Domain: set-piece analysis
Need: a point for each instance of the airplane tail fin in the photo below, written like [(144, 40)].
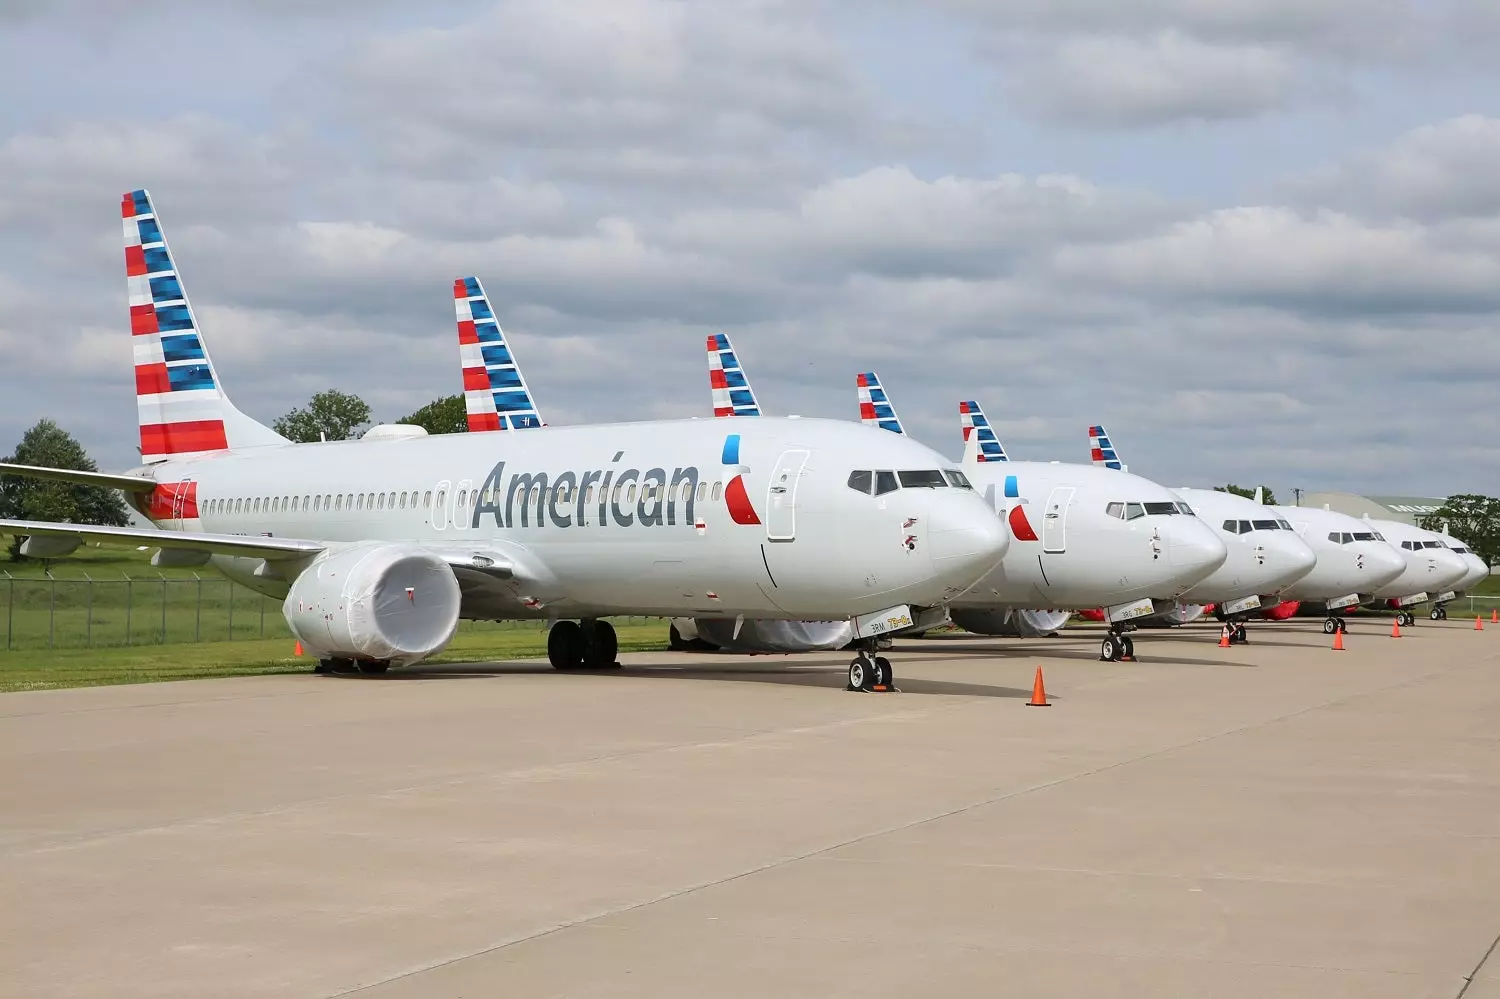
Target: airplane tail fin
[(875, 410), (183, 410), (976, 428), (495, 394), (1102, 451), (731, 390)]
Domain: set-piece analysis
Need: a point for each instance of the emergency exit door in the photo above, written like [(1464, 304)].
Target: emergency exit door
[(1055, 520), (781, 495)]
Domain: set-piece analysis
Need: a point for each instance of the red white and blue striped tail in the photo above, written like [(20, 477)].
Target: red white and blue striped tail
[(495, 393), (182, 408), (875, 409), (727, 383), (1101, 450), (972, 419)]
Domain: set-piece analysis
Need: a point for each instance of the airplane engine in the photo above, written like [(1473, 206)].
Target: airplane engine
[(763, 636), (382, 602), (982, 622), (1010, 623)]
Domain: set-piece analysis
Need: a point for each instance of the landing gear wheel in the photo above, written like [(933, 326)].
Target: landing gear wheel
[(1127, 649), (861, 673), (1110, 649), (565, 646), (884, 675), (1437, 614), (372, 666), (324, 666), (1240, 636), (602, 646), (1330, 626), (1406, 619)]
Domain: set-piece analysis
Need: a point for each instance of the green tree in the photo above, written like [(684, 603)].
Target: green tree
[(50, 446), (330, 415), (1472, 519), (447, 415), (1269, 497)]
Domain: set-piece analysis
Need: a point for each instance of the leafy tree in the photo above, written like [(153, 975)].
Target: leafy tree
[(48, 445), (1270, 497), (330, 415), (447, 415), (1472, 519)]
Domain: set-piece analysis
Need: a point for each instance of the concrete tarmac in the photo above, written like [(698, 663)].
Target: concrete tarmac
[(1277, 819)]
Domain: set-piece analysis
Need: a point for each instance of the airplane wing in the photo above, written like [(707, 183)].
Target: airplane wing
[(132, 537), (128, 483)]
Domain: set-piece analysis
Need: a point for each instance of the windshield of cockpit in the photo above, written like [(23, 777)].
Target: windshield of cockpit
[(1134, 511), (878, 482)]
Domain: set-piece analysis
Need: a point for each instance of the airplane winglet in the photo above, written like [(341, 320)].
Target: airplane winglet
[(1101, 450), (875, 409), (977, 428), (731, 391), (496, 396)]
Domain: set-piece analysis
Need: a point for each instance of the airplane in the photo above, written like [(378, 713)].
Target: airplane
[(378, 546), (1086, 554), (1353, 562), (1478, 570), (1265, 554), (496, 396), (1432, 569)]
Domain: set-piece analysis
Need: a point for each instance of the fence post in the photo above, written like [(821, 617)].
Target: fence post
[(262, 616), (231, 608), (198, 617), (129, 605), (51, 608), (163, 610), (89, 632), (10, 611)]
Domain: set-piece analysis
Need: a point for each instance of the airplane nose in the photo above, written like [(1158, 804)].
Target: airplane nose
[(1385, 564), (1294, 555), (1194, 549), (966, 545)]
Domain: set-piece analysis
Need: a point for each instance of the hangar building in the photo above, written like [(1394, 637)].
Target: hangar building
[(1407, 509)]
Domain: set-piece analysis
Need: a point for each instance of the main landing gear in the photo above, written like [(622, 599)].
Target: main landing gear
[(870, 673), (1117, 646), (1439, 612), (1335, 623), (587, 644)]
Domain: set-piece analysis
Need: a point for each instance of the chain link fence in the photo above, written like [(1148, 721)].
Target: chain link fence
[(47, 613)]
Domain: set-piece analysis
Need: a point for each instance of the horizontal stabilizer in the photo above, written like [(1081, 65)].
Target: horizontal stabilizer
[(104, 480), (135, 537)]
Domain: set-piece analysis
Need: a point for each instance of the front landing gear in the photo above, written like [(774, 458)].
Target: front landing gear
[(1333, 624), (1237, 633), (1117, 647), (1406, 618), (871, 673), (1439, 612)]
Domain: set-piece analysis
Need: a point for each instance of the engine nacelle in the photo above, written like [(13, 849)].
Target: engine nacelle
[(1009, 623), (390, 602)]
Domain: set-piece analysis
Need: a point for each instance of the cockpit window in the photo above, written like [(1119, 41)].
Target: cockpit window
[(1184, 508), (957, 479), (1231, 527), (1461, 549), (1266, 525), (1116, 510), (1285, 525), (861, 481), (1134, 510), (1364, 536), (885, 482), (1161, 509), (1432, 544), (925, 478)]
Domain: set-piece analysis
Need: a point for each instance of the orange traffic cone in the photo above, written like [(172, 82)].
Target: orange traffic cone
[(1338, 641), (1478, 623), (1395, 629), (1038, 692), (298, 649), (1494, 616), (1224, 638)]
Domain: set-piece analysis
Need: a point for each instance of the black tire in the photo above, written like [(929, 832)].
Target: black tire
[(371, 666), (861, 673), (1109, 649), (675, 641), (324, 666), (1436, 614), (1127, 647), (565, 646), (1241, 636), (602, 647), (885, 675), (1330, 626)]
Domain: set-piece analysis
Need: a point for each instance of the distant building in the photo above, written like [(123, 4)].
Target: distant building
[(1407, 509)]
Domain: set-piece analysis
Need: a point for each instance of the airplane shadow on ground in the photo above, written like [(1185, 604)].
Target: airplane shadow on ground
[(827, 674)]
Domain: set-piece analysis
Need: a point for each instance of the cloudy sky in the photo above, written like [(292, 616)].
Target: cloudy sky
[(1259, 239)]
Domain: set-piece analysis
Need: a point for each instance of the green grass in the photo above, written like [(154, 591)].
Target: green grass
[(482, 642), (99, 562)]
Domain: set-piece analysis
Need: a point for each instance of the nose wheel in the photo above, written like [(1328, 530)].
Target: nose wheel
[(1334, 624), (1116, 647), (870, 673), (1406, 618), (1439, 612)]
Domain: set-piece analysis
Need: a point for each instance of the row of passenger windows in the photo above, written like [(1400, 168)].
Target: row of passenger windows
[(1413, 546), (1344, 537), (417, 500), (1246, 526), (1131, 511), (884, 481)]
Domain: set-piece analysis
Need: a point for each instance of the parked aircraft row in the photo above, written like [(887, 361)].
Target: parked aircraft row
[(749, 531)]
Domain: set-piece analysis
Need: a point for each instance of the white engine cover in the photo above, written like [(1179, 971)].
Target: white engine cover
[(374, 601), (775, 636), (1008, 623)]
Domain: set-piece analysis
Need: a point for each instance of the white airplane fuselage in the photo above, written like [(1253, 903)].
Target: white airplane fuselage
[(1068, 550), (1352, 562), (1477, 569), (568, 508), (1432, 569), (1265, 554)]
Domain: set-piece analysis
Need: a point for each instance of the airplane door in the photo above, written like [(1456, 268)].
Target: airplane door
[(179, 499), (781, 495), (1055, 520)]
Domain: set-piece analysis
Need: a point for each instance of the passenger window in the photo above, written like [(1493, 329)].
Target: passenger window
[(257, 505), (338, 502), (718, 489), (687, 492), (861, 481), (885, 482), (317, 503), (1134, 511), (1115, 510), (427, 498), (588, 495), (630, 494), (702, 492)]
